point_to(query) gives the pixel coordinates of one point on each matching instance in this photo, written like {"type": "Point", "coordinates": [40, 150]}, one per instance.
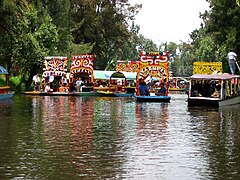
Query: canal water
{"type": "Point", "coordinates": [43, 137]}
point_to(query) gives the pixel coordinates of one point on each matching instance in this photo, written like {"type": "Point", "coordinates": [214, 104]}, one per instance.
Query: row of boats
{"type": "Point", "coordinates": [215, 89]}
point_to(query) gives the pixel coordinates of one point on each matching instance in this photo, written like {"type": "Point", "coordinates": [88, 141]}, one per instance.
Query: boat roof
{"type": "Point", "coordinates": [125, 75]}
{"type": "Point", "coordinates": [102, 75]}
{"type": "Point", "coordinates": [3, 70]}
{"type": "Point", "coordinates": [106, 75]}
{"type": "Point", "coordinates": [178, 78]}
{"type": "Point", "coordinates": [213, 77]}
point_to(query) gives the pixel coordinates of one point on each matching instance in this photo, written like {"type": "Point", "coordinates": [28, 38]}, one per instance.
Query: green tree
{"type": "Point", "coordinates": [104, 23]}
{"type": "Point", "coordinates": [9, 10]}
{"type": "Point", "coordinates": [222, 25]}
{"type": "Point", "coordinates": [35, 40]}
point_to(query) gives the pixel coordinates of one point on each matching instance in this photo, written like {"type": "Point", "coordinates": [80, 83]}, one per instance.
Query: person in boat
{"type": "Point", "coordinates": [36, 80]}
{"type": "Point", "coordinates": [63, 89]}
{"type": "Point", "coordinates": [216, 93]}
{"type": "Point", "coordinates": [232, 60]}
{"type": "Point", "coordinates": [48, 88]}
{"type": "Point", "coordinates": [143, 89]}
{"type": "Point", "coordinates": [64, 80]}
{"type": "Point", "coordinates": [79, 84]}
{"type": "Point", "coordinates": [51, 79]}
{"type": "Point", "coordinates": [162, 91]}
{"type": "Point", "coordinates": [148, 81]}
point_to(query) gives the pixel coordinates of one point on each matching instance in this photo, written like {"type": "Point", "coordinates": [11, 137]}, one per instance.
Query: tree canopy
{"type": "Point", "coordinates": [32, 29]}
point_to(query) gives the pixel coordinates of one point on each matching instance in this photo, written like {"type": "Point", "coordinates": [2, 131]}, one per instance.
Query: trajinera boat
{"type": "Point", "coordinates": [4, 90]}
{"type": "Point", "coordinates": [214, 90]}
{"type": "Point", "coordinates": [178, 84]}
{"type": "Point", "coordinates": [153, 65]}
{"type": "Point", "coordinates": [82, 76]}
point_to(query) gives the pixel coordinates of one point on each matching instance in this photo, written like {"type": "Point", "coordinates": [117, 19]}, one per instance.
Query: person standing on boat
{"type": "Point", "coordinates": [232, 60]}
{"type": "Point", "coordinates": [79, 84]}
{"type": "Point", "coordinates": [36, 80]}
{"type": "Point", "coordinates": [51, 79]}
{"type": "Point", "coordinates": [64, 80]}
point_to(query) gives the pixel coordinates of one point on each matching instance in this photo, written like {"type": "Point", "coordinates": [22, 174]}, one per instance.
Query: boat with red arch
{"type": "Point", "coordinates": [82, 76]}
{"type": "Point", "coordinates": [153, 66]}
{"type": "Point", "coordinates": [54, 69]}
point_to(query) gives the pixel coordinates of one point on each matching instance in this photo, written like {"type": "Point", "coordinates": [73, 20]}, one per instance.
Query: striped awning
{"type": "Point", "coordinates": [3, 70]}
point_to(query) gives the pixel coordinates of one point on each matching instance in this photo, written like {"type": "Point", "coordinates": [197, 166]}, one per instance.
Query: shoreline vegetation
{"type": "Point", "coordinates": [32, 30]}
{"type": "Point", "coordinates": [14, 83]}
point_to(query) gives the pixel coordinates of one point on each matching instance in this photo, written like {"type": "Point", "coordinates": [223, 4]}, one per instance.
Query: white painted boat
{"type": "Point", "coordinates": [202, 85]}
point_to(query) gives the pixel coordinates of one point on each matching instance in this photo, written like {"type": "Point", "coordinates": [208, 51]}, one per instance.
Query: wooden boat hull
{"type": "Point", "coordinates": [213, 102]}
{"type": "Point", "coordinates": [6, 96]}
{"type": "Point", "coordinates": [123, 94]}
{"type": "Point", "coordinates": [92, 93]}
{"type": "Point", "coordinates": [178, 89]}
{"type": "Point", "coordinates": [106, 93]}
{"type": "Point", "coordinates": [153, 98]}
{"type": "Point", "coordinates": [38, 93]}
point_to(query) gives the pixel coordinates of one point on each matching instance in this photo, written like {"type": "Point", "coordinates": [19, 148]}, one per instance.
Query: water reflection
{"type": "Point", "coordinates": [116, 138]}
{"type": "Point", "coordinates": [150, 118]}
{"type": "Point", "coordinates": [219, 140]}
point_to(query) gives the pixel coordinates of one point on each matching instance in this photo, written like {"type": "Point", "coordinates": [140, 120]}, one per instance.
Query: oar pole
{"type": "Point", "coordinates": [238, 66]}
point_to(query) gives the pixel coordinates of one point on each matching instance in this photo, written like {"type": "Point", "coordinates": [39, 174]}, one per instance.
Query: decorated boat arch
{"type": "Point", "coordinates": [154, 65]}
{"type": "Point", "coordinates": [129, 66]}
{"type": "Point", "coordinates": [56, 65]}
{"type": "Point", "coordinates": [82, 66]}
{"type": "Point", "coordinates": [207, 67]}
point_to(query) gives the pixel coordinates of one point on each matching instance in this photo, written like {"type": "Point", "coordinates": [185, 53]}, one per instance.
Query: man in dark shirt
{"type": "Point", "coordinates": [162, 91]}
{"type": "Point", "coordinates": [143, 89]}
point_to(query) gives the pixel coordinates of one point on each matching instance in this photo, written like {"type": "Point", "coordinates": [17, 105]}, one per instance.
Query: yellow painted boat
{"type": "Point", "coordinates": [106, 93]}
{"type": "Point", "coordinates": [35, 93]}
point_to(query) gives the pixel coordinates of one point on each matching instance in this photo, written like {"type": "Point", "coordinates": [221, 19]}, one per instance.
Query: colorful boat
{"type": "Point", "coordinates": [123, 82]}
{"type": "Point", "coordinates": [4, 90]}
{"type": "Point", "coordinates": [82, 68]}
{"type": "Point", "coordinates": [37, 93]}
{"type": "Point", "coordinates": [178, 84]}
{"type": "Point", "coordinates": [55, 66]}
{"type": "Point", "coordinates": [106, 93]}
{"type": "Point", "coordinates": [153, 98]}
{"type": "Point", "coordinates": [214, 90]}
{"type": "Point", "coordinates": [153, 64]}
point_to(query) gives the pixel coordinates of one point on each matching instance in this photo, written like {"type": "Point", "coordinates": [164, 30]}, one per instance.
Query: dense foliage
{"type": "Point", "coordinates": [32, 29]}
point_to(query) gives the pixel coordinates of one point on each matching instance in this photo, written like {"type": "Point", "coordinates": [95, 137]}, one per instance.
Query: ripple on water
{"type": "Point", "coordinates": [116, 138]}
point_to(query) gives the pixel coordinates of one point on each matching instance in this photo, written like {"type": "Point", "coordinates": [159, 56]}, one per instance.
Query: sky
{"type": "Point", "coordinates": [169, 20]}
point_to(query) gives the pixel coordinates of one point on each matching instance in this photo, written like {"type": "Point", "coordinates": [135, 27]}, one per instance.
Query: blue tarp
{"type": "Point", "coordinates": [3, 70]}
{"type": "Point", "coordinates": [102, 75]}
